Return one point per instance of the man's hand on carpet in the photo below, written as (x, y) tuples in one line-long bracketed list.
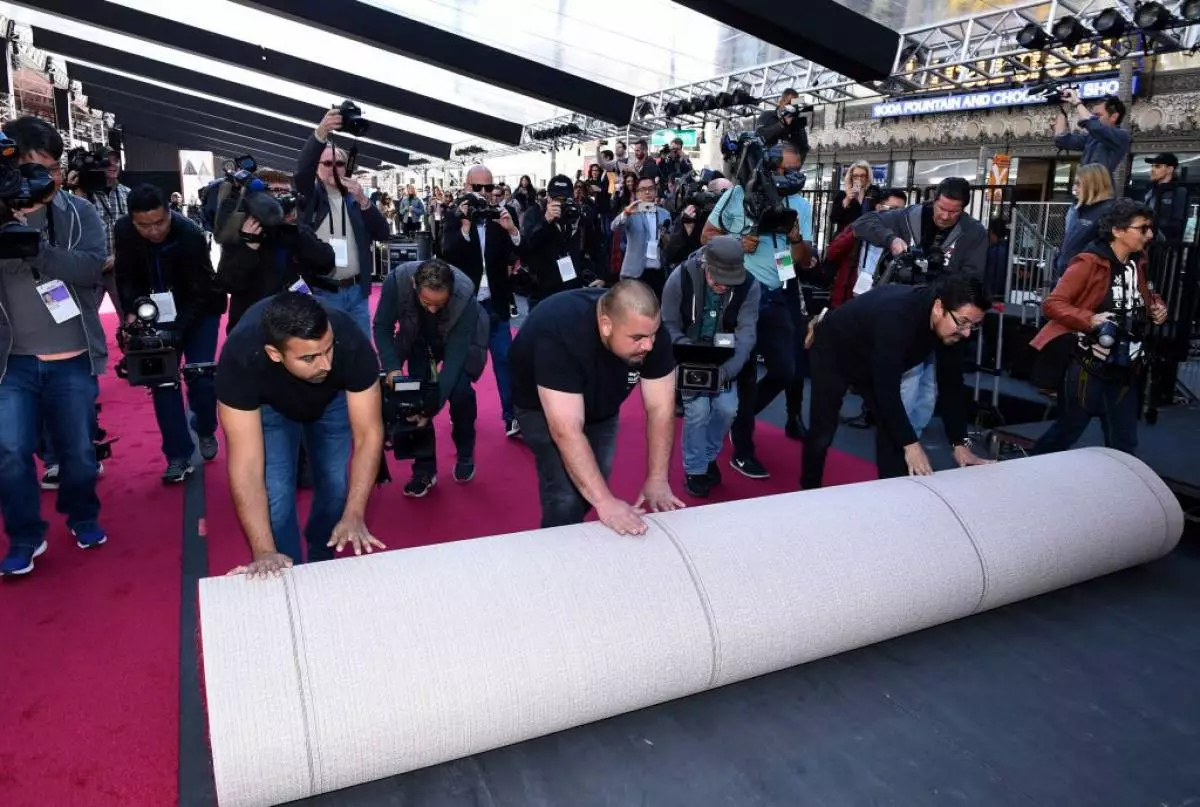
[(658, 498), (621, 517), (965, 457), (269, 564), (354, 531), (917, 461)]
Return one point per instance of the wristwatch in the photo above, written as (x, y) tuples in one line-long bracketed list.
[(963, 443)]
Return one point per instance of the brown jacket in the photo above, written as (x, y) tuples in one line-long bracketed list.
[(1082, 289)]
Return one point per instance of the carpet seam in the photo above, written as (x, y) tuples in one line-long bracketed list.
[(297, 640), (705, 603), (962, 523)]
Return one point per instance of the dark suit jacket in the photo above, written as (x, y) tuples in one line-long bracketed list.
[(467, 257)]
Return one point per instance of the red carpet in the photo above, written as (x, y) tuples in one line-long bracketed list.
[(90, 641), (90, 670)]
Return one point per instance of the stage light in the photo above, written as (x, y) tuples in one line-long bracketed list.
[(1152, 17), (671, 110), (1033, 37), (646, 110), (1190, 11), (710, 103), (1110, 24), (1070, 32)]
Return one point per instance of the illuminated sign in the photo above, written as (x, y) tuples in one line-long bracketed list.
[(993, 99), (662, 137)]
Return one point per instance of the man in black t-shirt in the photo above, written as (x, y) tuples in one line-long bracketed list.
[(573, 363), (292, 367), (869, 343)]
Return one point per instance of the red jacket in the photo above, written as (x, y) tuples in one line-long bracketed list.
[(842, 253)]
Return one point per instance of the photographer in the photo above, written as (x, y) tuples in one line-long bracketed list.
[(784, 123), (1105, 299), (706, 295), (772, 260), (163, 256), (644, 225), (560, 248), (50, 355), (295, 368), (574, 362), (868, 343), (1102, 140), (673, 167), (273, 253), (339, 212), (428, 318), (486, 249), (110, 199), (951, 241)]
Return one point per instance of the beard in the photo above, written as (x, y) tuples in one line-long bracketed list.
[(637, 359), (319, 378)]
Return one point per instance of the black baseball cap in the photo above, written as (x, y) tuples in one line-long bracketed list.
[(560, 187), (1166, 158)]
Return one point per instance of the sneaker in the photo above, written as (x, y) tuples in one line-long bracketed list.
[(794, 428), (511, 427), (464, 470), (698, 485), (418, 486), (208, 448), (50, 479), (177, 471), (749, 467), (19, 559), (89, 538), (713, 473)]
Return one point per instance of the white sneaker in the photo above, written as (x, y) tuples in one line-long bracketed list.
[(50, 478)]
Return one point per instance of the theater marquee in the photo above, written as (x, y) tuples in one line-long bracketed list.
[(993, 99)]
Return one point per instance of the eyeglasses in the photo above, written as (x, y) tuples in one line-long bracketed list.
[(488, 188), (1143, 228), (331, 163), (962, 325)]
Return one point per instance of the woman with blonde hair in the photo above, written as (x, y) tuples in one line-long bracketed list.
[(1093, 190), (857, 196)]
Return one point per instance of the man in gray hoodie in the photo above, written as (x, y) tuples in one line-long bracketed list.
[(707, 300), (52, 349)]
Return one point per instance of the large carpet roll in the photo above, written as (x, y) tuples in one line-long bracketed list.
[(343, 672)]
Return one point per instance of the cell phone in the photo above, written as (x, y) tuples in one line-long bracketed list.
[(646, 207)]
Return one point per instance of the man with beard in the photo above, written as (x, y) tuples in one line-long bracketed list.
[(292, 366), (573, 363)]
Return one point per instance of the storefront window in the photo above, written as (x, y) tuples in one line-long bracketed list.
[(899, 174), (931, 172)]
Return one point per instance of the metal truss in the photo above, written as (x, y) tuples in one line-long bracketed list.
[(953, 55)]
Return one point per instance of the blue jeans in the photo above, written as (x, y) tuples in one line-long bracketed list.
[(499, 341), (706, 421), (781, 325), (1084, 396), (562, 503), (327, 442), (352, 300), (198, 346), (64, 393), (918, 393)]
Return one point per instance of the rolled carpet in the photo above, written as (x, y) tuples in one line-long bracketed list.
[(340, 673)]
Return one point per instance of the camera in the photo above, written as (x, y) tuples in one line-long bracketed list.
[(21, 187), (698, 367), (151, 356), (271, 214), (89, 168), (765, 191), (913, 268), (353, 122), (1049, 91), (403, 398), (693, 190), (1117, 339), (479, 209), (241, 170)]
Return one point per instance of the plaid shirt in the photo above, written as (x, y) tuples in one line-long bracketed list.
[(112, 207)]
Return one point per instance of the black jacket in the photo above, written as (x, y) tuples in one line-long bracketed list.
[(181, 265), (466, 256), (250, 275), (368, 225), (546, 242), (1169, 200)]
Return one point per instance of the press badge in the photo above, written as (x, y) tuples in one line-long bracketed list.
[(58, 301), (166, 306), (723, 340), (341, 253), (783, 263), (301, 287), (566, 269)]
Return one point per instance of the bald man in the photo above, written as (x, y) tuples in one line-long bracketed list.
[(573, 363)]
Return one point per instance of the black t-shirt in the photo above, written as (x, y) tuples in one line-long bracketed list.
[(559, 348), (248, 379)]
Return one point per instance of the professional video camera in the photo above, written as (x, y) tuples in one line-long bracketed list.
[(698, 366), (693, 190), (764, 189), (271, 213), (913, 268), (151, 356), (404, 398), (241, 170), (1049, 91), (353, 122), (89, 168), (21, 187)]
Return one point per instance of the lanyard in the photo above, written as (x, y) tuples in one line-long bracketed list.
[(332, 234)]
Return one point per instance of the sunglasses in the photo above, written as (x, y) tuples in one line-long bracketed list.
[(331, 163), (484, 188)]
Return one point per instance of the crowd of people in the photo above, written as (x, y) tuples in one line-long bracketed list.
[(623, 269)]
